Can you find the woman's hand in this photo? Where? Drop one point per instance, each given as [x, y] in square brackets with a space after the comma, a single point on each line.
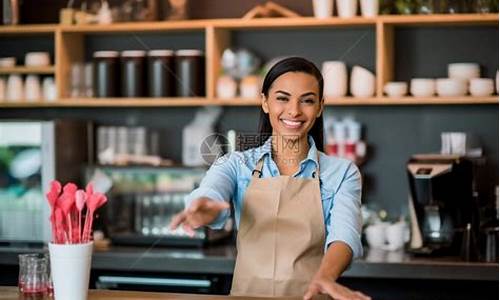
[325, 285]
[201, 212]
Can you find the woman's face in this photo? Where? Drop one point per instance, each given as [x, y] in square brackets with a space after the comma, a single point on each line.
[293, 104]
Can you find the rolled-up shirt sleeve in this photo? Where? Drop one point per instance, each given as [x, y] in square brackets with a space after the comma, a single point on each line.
[345, 219]
[218, 184]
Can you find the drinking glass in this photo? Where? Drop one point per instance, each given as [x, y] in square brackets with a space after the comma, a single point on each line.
[36, 279]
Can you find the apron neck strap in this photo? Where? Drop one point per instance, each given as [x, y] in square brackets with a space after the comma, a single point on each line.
[257, 172]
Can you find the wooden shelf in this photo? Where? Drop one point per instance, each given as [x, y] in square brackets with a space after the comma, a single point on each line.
[263, 23]
[198, 102]
[28, 70]
[441, 19]
[28, 29]
[128, 27]
[412, 101]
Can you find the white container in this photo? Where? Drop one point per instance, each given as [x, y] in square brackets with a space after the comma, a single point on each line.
[49, 89]
[70, 267]
[323, 9]
[481, 87]
[15, 90]
[362, 82]
[37, 59]
[369, 8]
[32, 88]
[375, 235]
[464, 71]
[250, 87]
[347, 8]
[226, 87]
[7, 62]
[423, 87]
[2, 88]
[335, 78]
[396, 235]
[396, 89]
[449, 87]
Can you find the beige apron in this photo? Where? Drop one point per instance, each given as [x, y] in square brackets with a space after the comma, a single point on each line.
[281, 236]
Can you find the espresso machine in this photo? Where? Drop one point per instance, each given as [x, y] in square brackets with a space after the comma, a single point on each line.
[441, 203]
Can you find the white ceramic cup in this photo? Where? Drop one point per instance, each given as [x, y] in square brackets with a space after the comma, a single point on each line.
[70, 267]
[464, 70]
[362, 82]
[335, 78]
[423, 87]
[375, 235]
[396, 236]
[369, 8]
[323, 8]
[396, 89]
[448, 87]
[347, 8]
[32, 88]
[481, 87]
[15, 90]
[49, 89]
[3, 85]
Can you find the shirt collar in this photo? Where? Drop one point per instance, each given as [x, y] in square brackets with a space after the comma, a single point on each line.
[312, 154]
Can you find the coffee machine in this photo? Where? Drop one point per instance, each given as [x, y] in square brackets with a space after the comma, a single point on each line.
[441, 203]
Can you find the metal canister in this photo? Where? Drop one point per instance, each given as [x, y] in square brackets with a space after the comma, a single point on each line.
[190, 73]
[106, 72]
[133, 74]
[161, 79]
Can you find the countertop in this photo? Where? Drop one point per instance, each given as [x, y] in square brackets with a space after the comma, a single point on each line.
[11, 293]
[219, 259]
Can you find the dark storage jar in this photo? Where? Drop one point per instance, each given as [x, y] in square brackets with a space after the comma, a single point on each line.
[161, 80]
[106, 74]
[133, 73]
[190, 73]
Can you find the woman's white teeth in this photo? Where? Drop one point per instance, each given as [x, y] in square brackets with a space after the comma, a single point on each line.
[292, 123]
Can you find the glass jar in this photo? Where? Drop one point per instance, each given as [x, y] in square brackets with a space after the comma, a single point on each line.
[451, 6]
[405, 7]
[190, 72]
[106, 72]
[482, 6]
[132, 70]
[425, 7]
[161, 73]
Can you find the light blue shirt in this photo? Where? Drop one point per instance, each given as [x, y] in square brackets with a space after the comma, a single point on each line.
[340, 185]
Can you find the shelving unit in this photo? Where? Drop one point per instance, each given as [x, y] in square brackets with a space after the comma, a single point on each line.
[70, 47]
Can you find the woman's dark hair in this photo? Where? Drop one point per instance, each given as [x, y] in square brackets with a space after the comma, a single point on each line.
[291, 64]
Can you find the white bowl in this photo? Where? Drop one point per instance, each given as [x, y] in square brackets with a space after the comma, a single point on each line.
[464, 70]
[423, 87]
[449, 87]
[7, 62]
[362, 82]
[396, 89]
[37, 59]
[481, 87]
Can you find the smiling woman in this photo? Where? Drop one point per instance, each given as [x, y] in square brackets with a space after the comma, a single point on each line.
[297, 210]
